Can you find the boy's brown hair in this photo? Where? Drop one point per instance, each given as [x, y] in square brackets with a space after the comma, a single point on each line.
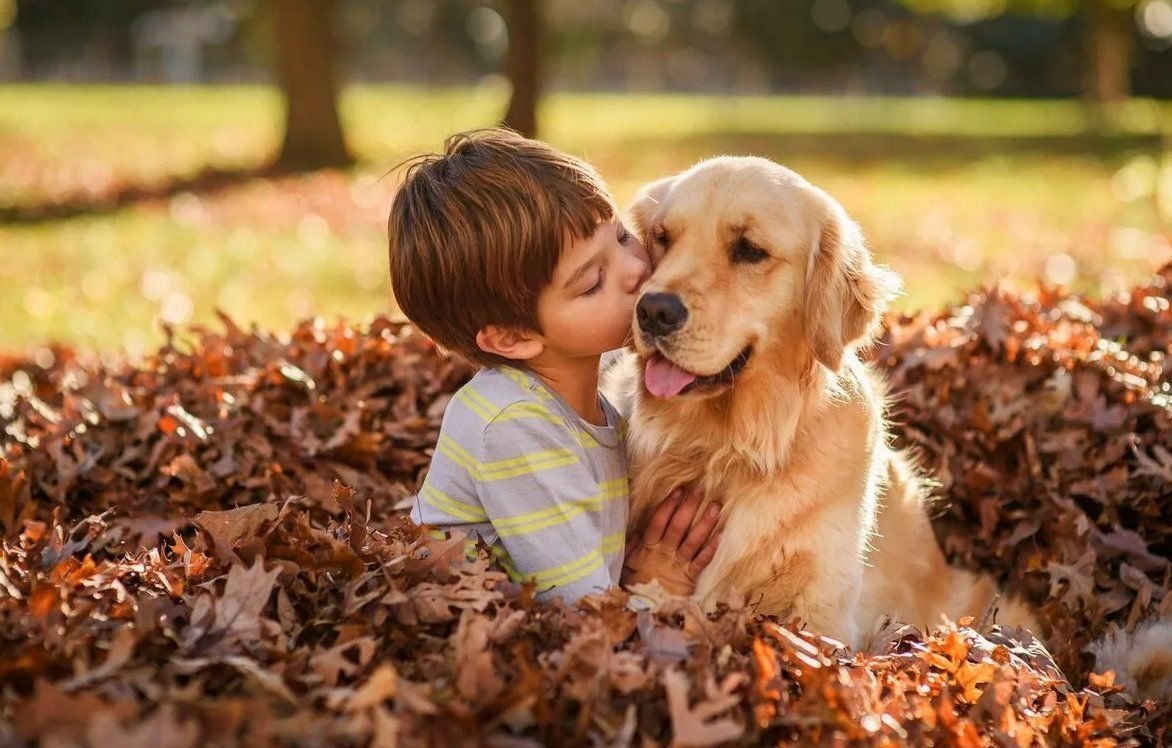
[476, 232]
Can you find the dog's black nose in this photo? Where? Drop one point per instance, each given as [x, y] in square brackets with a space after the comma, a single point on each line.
[660, 313]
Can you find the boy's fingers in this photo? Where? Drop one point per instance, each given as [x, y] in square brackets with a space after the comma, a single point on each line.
[633, 542]
[662, 516]
[699, 533]
[682, 520]
[704, 557]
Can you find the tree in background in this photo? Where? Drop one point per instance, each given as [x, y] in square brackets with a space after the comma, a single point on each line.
[104, 28]
[1108, 30]
[523, 64]
[306, 61]
[1109, 42]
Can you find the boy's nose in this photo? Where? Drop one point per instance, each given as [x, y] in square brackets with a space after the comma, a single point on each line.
[640, 271]
[660, 314]
[644, 274]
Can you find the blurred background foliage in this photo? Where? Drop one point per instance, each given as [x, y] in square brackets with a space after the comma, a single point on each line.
[161, 159]
[943, 47]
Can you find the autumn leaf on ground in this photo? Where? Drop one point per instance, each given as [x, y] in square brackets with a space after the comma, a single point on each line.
[223, 555]
[698, 725]
[236, 613]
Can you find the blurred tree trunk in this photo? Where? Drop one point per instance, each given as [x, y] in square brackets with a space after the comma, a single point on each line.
[306, 66]
[523, 63]
[1107, 76]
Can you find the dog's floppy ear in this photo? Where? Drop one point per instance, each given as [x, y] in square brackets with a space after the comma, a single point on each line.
[646, 206]
[846, 294]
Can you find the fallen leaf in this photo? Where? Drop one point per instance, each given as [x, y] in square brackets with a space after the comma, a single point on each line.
[697, 726]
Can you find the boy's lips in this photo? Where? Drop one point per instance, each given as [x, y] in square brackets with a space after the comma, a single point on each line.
[664, 379]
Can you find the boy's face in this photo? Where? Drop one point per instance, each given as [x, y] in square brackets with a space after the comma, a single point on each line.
[588, 306]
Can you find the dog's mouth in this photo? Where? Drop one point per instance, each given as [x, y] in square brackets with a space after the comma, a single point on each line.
[664, 379]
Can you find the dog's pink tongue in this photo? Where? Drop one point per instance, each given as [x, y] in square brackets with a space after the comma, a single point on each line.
[663, 378]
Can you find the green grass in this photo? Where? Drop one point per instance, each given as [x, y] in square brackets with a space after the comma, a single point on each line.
[951, 193]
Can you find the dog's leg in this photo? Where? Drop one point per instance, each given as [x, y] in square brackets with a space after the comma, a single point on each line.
[909, 579]
[813, 571]
[829, 602]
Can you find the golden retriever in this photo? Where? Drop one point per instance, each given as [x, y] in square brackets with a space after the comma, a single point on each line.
[746, 382]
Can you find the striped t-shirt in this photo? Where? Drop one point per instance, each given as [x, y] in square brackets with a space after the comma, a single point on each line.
[546, 490]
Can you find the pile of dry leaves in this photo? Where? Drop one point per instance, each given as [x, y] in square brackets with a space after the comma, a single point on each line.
[211, 549]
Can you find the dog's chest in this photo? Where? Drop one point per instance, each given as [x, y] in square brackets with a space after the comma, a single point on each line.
[661, 461]
[659, 464]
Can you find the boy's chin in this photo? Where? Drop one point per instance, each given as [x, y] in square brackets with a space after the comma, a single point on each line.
[616, 344]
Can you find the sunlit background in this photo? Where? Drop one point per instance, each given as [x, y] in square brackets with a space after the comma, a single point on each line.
[146, 174]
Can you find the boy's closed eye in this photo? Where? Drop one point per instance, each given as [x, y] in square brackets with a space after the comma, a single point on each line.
[601, 262]
[627, 239]
[624, 236]
[597, 285]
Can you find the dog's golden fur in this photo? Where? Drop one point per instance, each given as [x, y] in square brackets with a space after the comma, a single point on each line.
[821, 519]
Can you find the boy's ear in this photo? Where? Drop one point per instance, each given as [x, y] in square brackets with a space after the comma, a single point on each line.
[506, 342]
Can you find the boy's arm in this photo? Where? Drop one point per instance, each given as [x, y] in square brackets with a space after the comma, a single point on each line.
[444, 498]
[447, 498]
[437, 504]
[547, 507]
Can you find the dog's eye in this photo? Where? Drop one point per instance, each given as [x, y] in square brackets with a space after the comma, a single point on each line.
[746, 252]
[659, 236]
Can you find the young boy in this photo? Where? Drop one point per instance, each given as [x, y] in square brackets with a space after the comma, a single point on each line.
[512, 255]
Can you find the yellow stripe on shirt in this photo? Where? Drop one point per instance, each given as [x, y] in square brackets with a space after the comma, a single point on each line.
[490, 413]
[523, 524]
[569, 572]
[477, 404]
[511, 467]
[441, 501]
[525, 458]
[525, 464]
[524, 380]
[502, 557]
[614, 542]
[517, 411]
[581, 567]
[457, 454]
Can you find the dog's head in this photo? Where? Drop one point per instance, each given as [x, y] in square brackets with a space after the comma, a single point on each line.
[752, 262]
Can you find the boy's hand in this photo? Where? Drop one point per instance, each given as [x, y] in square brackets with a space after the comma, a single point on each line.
[668, 550]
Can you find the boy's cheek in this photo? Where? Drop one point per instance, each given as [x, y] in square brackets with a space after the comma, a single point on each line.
[639, 249]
